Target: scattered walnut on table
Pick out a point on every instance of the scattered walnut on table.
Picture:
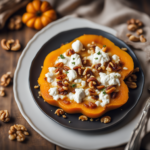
(106, 119)
(83, 118)
(18, 132)
(6, 79)
(134, 38)
(2, 91)
(59, 112)
(11, 44)
(4, 116)
(142, 39)
(15, 23)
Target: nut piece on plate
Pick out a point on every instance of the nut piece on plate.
(4, 116)
(18, 132)
(15, 23)
(83, 118)
(10, 44)
(131, 84)
(142, 39)
(134, 38)
(106, 119)
(124, 49)
(6, 79)
(59, 112)
(2, 91)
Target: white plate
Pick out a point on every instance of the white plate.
(46, 127)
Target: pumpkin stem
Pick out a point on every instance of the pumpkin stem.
(38, 13)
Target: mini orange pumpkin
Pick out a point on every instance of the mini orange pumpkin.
(38, 14)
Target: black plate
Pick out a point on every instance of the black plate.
(54, 43)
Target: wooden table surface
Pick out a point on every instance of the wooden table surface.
(8, 62)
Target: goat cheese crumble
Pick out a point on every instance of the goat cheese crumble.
(77, 46)
(110, 79)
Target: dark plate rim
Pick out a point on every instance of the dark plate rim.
(102, 128)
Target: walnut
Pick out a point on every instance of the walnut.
(10, 44)
(59, 64)
(2, 91)
(36, 86)
(136, 70)
(142, 39)
(131, 84)
(18, 132)
(134, 38)
(139, 31)
(4, 116)
(100, 87)
(59, 112)
(91, 119)
(132, 27)
(39, 92)
(64, 116)
(106, 119)
(70, 52)
(110, 89)
(124, 49)
(15, 23)
(128, 35)
(83, 118)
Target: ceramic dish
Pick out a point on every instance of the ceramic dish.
(54, 43)
(49, 129)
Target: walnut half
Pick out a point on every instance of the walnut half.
(18, 132)
(83, 118)
(59, 112)
(106, 119)
(6, 79)
(4, 116)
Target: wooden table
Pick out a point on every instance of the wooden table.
(8, 62)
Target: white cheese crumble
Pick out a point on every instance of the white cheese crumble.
(87, 93)
(116, 58)
(65, 60)
(82, 82)
(99, 57)
(125, 68)
(77, 46)
(71, 75)
(54, 93)
(50, 75)
(105, 98)
(110, 79)
(79, 95)
(75, 61)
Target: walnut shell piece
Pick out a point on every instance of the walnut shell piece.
(106, 119)
(4, 116)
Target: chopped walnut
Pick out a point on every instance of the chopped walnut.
(39, 92)
(59, 112)
(91, 119)
(6, 79)
(64, 116)
(83, 118)
(2, 91)
(106, 119)
(131, 84)
(36, 86)
(18, 132)
(4, 116)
